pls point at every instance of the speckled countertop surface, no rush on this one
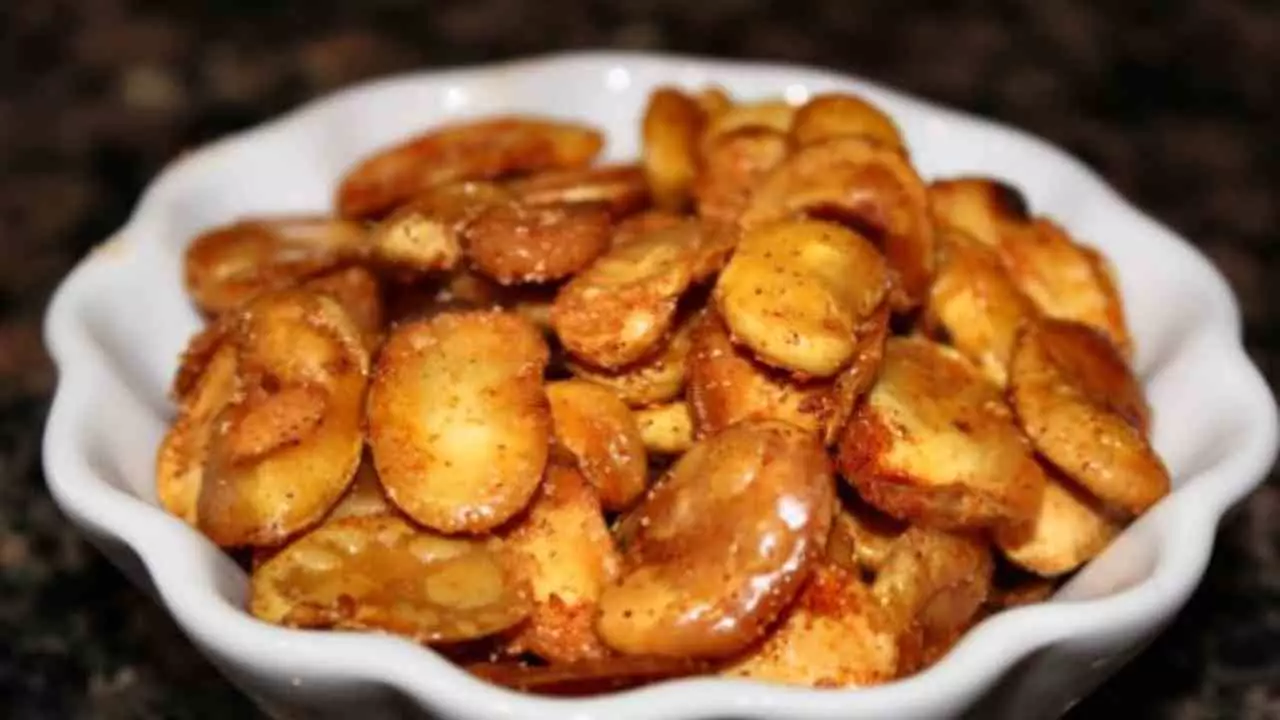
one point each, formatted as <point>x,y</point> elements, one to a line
<point>1171,101</point>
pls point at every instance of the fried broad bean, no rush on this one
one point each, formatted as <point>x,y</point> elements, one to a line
<point>477,150</point>
<point>713,100</point>
<point>565,552</point>
<point>862,537</point>
<point>180,463</point>
<point>619,308</point>
<point>721,545</point>
<point>360,294</point>
<point>727,386</point>
<point>1082,408</point>
<point>836,635</point>
<point>933,442</point>
<point>197,355</point>
<point>796,293</point>
<point>1066,280</point>
<point>832,115</point>
<point>585,677</point>
<point>383,573</point>
<point>1068,531</point>
<point>670,132</point>
<point>425,233</point>
<point>931,586</point>
<point>457,419</point>
<point>857,378</point>
<point>867,185</point>
<point>656,378</point>
<point>732,166</point>
<point>518,243</point>
<point>666,429</point>
<point>618,189</point>
<point>286,447</point>
<point>975,305</point>
<point>598,433</point>
<point>227,266</point>
<point>985,208</point>
<point>773,115</point>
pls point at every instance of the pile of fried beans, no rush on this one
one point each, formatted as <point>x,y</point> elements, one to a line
<point>765,404</point>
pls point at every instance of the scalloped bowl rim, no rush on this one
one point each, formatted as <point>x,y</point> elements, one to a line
<point>184,568</point>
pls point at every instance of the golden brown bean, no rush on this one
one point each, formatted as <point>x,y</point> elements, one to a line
<point>1068,531</point>
<point>617,310</point>
<point>180,463</point>
<point>666,429</point>
<point>862,537</point>
<point>975,305</point>
<point>932,585</point>
<point>670,132</point>
<point>567,556</point>
<point>476,150</point>
<point>286,447</point>
<point>1067,280</point>
<point>656,378</point>
<point>1064,279</point>
<point>934,443</point>
<point>773,115</point>
<point>618,189</point>
<point>866,185</point>
<point>383,573</point>
<point>598,433</point>
<point>721,545</point>
<point>425,234</point>
<point>796,293</point>
<point>1083,409</point>
<point>227,266</point>
<point>834,636</point>
<point>727,386</point>
<point>457,419</point>
<point>360,294</point>
<point>517,243</point>
<point>732,166</point>
<point>833,115</point>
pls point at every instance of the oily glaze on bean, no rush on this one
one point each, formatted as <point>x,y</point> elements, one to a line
<point>599,435</point>
<point>934,443</point>
<point>721,545</point>
<point>671,129</point>
<point>286,446</point>
<point>479,150</point>
<point>381,572</point>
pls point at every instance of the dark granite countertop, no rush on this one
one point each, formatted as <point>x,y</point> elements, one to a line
<point>1173,102</point>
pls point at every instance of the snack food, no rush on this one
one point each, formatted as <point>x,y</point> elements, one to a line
<point>765,404</point>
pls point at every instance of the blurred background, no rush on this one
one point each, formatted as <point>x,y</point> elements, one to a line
<point>1173,102</point>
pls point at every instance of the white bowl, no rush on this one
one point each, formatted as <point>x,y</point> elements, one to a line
<point>119,320</point>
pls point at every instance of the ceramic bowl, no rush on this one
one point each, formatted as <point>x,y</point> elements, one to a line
<point>119,320</point>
